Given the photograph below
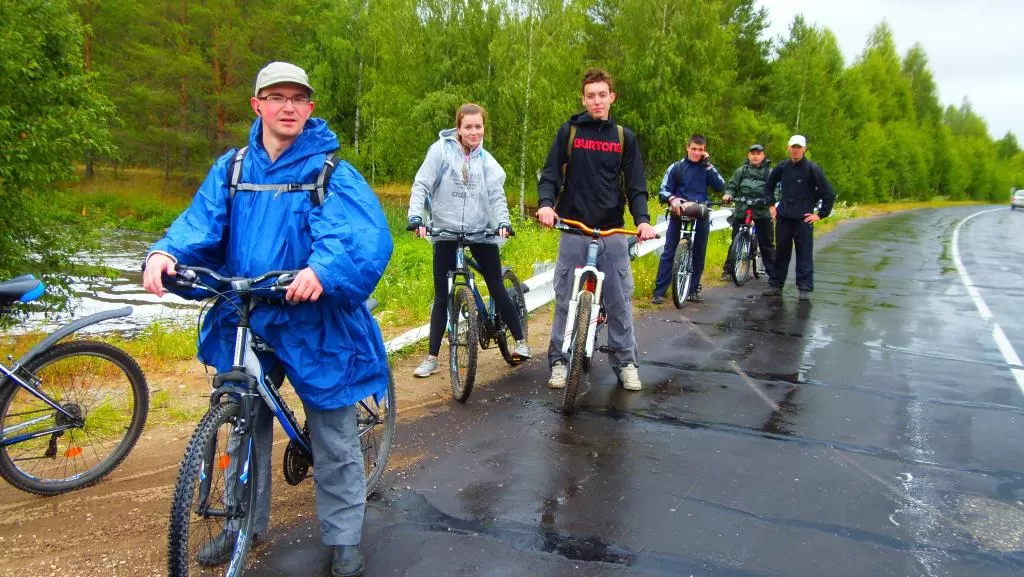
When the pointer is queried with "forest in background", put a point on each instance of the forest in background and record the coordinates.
(164, 85)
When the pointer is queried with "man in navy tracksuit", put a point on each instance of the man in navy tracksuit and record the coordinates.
(803, 186)
(686, 181)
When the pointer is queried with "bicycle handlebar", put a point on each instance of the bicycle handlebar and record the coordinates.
(567, 224)
(188, 276)
(431, 231)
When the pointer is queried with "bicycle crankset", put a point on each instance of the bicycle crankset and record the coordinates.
(296, 462)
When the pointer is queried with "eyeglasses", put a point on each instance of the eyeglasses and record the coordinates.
(279, 99)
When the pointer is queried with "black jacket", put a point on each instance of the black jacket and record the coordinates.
(593, 194)
(803, 186)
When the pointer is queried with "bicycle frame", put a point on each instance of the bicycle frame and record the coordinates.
(9, 377)
(462, 275)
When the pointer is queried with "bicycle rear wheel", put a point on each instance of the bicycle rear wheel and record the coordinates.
(376, 422)
(577, 351)
(211, 496)
(682, 270)
(462, 338)
(740, 258)
(507, 342)
(95, 381)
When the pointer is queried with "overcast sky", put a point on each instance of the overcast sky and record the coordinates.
(975, 48)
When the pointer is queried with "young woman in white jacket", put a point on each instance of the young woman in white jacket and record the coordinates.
(461, 187)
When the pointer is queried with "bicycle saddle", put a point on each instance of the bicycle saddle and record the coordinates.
(22, 288)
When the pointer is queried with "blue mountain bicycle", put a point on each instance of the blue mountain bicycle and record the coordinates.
(216, 482)
(473, 322)
(70, 412)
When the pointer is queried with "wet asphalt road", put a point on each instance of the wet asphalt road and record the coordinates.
(877, 430)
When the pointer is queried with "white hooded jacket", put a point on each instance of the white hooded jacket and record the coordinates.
(458, 191)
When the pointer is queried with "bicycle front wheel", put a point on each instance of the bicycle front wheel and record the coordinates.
(215, 493)
(376, 422)
(96, 382)
(577, 351)
(463, 336)
(682, 270)
(507, 342)
(740, 258)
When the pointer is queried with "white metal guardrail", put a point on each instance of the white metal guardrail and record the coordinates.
(541, 290)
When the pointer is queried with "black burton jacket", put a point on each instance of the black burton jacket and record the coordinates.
(592, 193)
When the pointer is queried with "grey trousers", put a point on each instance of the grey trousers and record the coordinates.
(338, 469)
(617, 294)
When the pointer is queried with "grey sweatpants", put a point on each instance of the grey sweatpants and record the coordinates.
(338, 468)
(617, 294)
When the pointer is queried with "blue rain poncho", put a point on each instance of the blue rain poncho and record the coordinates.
(332, 349)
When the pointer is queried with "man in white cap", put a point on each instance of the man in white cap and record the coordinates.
(804, 186)
(258, 211)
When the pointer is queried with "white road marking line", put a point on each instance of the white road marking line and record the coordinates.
(1005, 348)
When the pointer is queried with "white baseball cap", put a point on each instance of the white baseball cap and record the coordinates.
(798, 140)
(279, 73)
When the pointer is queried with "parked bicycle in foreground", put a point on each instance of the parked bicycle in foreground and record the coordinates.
(70, 412)
(471, 321)
(682, 266)
(745, 252)
(586, 317)
(216, 486)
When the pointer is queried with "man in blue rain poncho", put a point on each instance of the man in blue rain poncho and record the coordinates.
(329, 346)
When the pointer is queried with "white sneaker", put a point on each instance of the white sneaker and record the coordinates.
(428, 367)
(522, 350)
(559, 370)
(629, 376)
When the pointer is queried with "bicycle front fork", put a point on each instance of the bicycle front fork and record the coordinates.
(592, 280)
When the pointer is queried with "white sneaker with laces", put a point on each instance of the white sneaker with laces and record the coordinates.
(559, 370)
(522, 350)
(629, 376)
(428, 367)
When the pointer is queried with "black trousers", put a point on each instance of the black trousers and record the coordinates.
(790, 233)
(487, 257)
(765, 241)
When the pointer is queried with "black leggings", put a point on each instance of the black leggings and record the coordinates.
(486, 256)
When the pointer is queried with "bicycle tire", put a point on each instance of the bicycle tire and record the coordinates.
(682, 270)
(462, 339)
(577, 351)
(507, 342)
(97, 380)
(370, 415)
(739, 255)
(189, 531)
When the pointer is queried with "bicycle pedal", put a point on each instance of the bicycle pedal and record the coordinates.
(605, 349)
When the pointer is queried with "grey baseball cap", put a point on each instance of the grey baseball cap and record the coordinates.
(279, 73)
(756, 147)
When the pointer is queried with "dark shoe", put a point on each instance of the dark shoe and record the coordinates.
(804, 296)
(217, 551)
(657, 299)
(346, 561)
(694, 296)
(772, 291)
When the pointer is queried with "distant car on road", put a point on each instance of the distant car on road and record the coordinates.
(1017, 200)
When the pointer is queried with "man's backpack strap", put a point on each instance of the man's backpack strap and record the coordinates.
(235, 172)
(318, 194)
(317, 190)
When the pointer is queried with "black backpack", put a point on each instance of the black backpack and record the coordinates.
(317, 190)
